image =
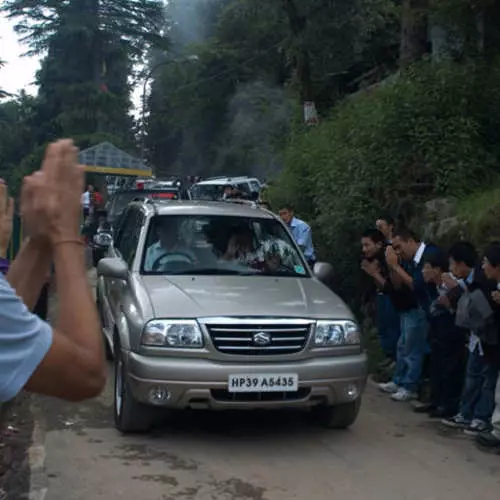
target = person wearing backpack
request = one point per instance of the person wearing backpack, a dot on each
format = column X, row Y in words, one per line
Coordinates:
column 470, row 295
column 491, row 267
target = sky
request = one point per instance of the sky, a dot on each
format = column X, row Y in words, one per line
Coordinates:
column 19, row 71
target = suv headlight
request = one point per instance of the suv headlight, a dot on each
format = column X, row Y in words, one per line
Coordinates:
column 172, row 333
column 336, row 333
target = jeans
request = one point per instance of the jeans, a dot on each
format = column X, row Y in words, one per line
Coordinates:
column 388, row 326
column 478, row 397
column 412, row 346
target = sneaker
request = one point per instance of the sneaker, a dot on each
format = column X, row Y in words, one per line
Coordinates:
column 389, row 388
column 456, row 422
column 488, row 440
column 478, row 427
column 403, row 396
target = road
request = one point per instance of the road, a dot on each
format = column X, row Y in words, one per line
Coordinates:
column 389, row 454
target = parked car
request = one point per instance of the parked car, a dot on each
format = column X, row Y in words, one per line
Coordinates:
column 211, row 305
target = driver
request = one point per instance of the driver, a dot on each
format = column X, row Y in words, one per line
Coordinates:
column 170, row 246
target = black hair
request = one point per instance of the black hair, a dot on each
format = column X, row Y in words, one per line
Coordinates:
column 375, row 235
column 492, row 253
column 405, row 233
column 389, row 219
column 287, row 206
column 464, row 252
column 437, row 259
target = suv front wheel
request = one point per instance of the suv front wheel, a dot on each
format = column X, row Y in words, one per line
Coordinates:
column 339, row 416
column 130, row 415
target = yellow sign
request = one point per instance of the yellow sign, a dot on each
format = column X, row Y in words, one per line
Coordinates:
column 130, row 172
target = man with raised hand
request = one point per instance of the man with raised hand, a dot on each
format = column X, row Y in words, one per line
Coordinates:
column 66, row 361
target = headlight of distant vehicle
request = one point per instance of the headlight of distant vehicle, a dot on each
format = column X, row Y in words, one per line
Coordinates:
column 336, row 333
column 172, row 333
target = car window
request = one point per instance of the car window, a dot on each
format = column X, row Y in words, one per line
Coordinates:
column 254, row 186
column 128, row 235
column 220, row 245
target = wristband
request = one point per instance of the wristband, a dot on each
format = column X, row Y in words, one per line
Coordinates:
column 4, row 265
column 75, row 241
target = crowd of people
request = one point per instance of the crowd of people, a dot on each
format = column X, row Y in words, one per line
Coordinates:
column 438, row 317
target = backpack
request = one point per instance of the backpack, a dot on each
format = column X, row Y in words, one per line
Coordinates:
column 475, row 313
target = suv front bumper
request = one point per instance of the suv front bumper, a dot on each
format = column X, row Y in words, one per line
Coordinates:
column 202, row 384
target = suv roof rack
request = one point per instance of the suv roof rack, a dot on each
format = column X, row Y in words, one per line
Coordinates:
column 242, row 201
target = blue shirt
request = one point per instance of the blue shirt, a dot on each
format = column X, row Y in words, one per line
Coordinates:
column 302, row 235
column 24, row 341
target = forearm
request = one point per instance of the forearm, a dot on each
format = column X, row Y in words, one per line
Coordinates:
column 28, row 272
column 403, row 277
column 77, row 316
column 379, row 280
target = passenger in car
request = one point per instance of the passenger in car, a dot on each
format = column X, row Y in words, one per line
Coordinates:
column 241, row 247
column 170, row 246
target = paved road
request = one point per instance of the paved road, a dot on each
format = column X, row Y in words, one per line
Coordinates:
column 389, row 454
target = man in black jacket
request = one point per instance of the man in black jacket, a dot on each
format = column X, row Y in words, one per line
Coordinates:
column 373, row 247
column 491, row 267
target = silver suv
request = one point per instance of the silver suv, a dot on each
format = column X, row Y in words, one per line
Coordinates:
column 211, row 305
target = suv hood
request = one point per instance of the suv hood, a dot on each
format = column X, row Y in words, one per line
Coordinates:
column 199, row 296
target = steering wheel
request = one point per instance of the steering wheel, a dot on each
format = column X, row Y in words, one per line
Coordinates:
column 157, row 262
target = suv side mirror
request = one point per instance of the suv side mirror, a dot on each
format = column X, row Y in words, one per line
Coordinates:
column 323, row 271
column 114, row 268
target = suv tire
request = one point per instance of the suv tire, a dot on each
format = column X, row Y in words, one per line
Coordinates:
column 130, row 415
column 339, row 416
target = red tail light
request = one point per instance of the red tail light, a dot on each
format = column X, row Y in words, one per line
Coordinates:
column 168, row 196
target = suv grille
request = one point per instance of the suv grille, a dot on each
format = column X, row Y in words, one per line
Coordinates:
column 259, row 339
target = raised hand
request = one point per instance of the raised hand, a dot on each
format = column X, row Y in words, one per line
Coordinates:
column 50, row 198
column 6, row 216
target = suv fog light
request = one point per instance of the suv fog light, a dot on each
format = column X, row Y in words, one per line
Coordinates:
column 352, row 391
column 158, row 395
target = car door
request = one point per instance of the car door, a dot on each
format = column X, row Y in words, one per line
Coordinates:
column 126, row 249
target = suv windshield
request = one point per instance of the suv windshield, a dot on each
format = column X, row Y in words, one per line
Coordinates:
column 220, row 245
column 214, row 192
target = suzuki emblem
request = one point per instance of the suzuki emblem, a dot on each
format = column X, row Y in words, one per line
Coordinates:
column 262, row 339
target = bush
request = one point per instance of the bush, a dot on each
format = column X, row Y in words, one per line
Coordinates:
column 428, row 133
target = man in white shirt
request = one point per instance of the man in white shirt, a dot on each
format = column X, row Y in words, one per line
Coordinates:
column 66, row 360
column 86, row 200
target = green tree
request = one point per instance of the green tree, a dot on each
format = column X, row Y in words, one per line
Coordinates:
column 91, row 46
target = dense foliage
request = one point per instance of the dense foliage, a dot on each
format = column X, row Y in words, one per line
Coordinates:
column 431, row 132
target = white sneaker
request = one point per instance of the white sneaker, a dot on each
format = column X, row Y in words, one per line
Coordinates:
column 403, row 396
column 388, row 387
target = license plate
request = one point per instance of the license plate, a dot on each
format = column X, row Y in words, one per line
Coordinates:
column 283, row 382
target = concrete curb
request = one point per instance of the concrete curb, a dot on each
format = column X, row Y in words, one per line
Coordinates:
column 36, row 457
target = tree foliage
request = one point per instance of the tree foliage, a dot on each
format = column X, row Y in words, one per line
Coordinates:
column 248, row 54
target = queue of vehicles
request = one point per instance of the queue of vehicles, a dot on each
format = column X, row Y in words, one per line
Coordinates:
column 193, row 327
